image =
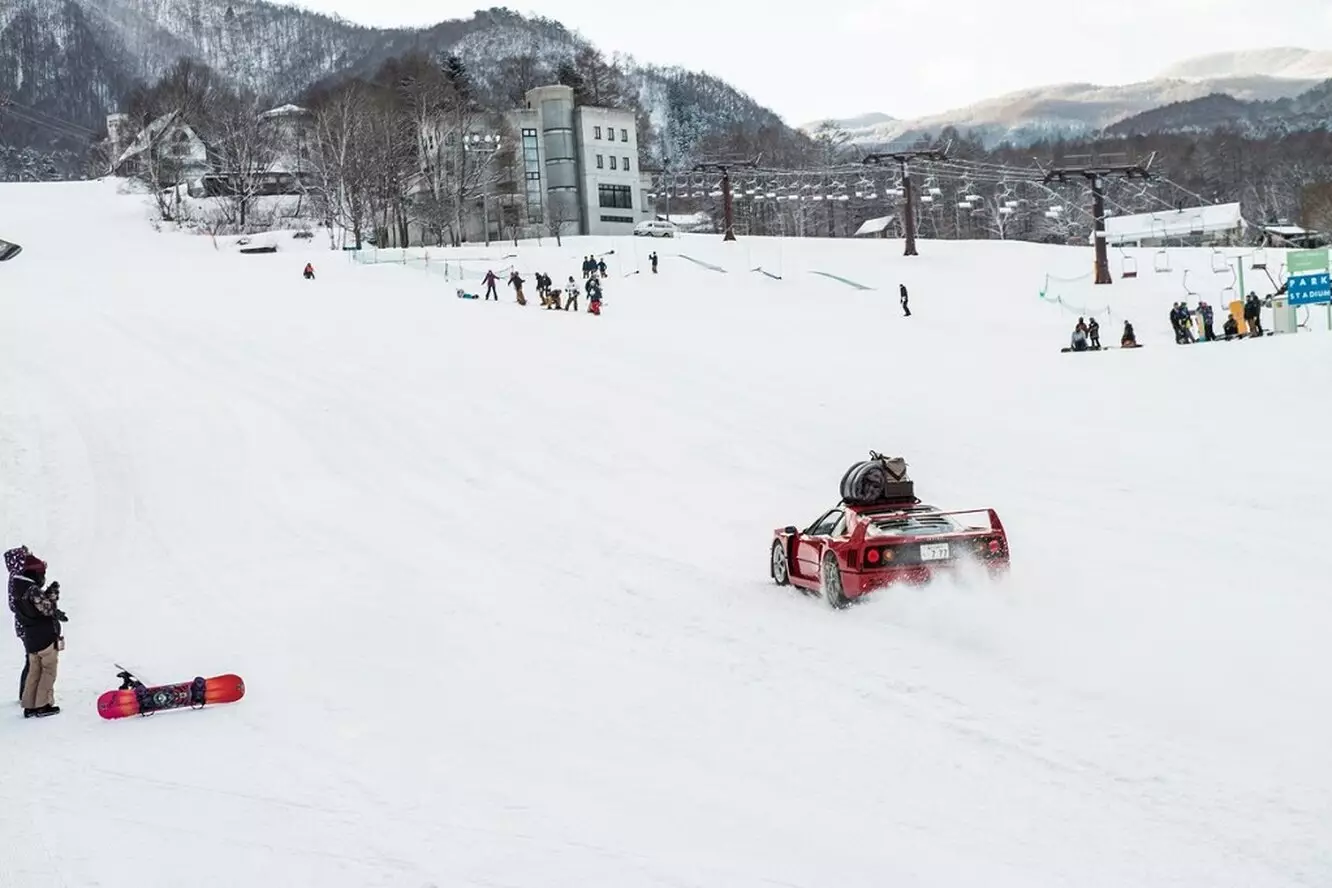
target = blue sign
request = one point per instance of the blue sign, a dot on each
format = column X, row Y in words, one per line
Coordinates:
column 1309, row 289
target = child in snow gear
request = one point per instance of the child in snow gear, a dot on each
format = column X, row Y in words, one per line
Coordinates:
column 516, row 281
column 36, row 606
column 1128, row 340
column 309, row 271
column 902, row 297
column 594, row 296
column 490, row 280
column 601, row 267
column 1230, row 329
column 652, row 257
column 463, row 294
column 1093, row 334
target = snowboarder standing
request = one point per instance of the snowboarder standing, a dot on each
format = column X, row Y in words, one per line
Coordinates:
column 1093, row 334
column 652, row 257
column 490, row 280
column 601, row 267
column 516, row 281
column 1129, row 339
column 906, row 309
column 37, row 608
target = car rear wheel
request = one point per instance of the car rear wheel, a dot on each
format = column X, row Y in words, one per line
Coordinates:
column 832, row 582
column 781, row 570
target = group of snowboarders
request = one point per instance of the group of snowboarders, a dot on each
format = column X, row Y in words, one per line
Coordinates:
column 1182, row 320
column 37, row 623
column 552, row 297
column 1087, row 336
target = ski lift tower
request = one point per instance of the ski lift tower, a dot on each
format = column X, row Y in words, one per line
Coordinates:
column 724, row 167
column 902, row 158
column 1096, row 171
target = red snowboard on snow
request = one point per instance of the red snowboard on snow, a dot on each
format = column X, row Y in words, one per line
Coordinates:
column 135, row 698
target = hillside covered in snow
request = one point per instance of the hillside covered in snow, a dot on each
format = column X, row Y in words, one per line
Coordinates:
column 76, row 61
column 497, row 578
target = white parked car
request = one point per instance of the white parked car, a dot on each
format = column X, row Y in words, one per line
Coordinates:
column 655, row 229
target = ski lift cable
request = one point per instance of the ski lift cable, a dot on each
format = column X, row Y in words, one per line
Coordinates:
column 37, row 113
column 58, row 129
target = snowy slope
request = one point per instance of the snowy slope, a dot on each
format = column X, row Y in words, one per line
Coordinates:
column 496, row 577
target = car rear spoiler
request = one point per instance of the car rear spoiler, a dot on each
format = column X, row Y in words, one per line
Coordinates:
column 8, row 250
column 996, row 526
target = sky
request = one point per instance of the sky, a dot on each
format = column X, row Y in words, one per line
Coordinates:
column 906, row 58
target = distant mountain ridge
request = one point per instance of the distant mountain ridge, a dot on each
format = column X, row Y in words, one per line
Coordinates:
column 1074, row 110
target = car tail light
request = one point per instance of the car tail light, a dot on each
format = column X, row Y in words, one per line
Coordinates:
column 995, row 547
column 878, row 557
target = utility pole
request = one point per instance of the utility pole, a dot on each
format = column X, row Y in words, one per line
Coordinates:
column 902, row 159
column 1096, row 174
column 727, row 209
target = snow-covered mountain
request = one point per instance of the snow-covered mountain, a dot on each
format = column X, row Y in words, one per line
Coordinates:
column 75, row 60
column 1076, row 109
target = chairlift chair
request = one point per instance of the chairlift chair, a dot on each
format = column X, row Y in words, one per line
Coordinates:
column 1187, row 289
column 1161, row 261
column 1220, row 264
column 1128, row 266
column 1260, row 259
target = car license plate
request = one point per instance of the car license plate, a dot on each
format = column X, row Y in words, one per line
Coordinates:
column 933, row 551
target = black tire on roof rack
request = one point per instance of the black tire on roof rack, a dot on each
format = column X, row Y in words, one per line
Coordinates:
column 876, row 480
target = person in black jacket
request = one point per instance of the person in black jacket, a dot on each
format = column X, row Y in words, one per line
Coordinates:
column 36, row 606
column 14, row 559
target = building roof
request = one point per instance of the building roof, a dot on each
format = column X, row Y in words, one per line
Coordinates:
column 1185, row 222
column 874, row 226
column 287, row 110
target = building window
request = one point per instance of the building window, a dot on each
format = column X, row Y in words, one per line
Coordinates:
column 624, row 135
column 626, row 165
column 613, row 162
column 627, row 220
column 615, row 197
column 596, row 130
column 534, row 207
column 531, row 156
column 600, row 162
column 610, row 133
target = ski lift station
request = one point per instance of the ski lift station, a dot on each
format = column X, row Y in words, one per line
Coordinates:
column 1218, row 225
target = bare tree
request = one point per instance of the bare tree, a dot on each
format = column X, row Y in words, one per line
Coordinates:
column 341, row 159
column 243, row 148
column 558, row 215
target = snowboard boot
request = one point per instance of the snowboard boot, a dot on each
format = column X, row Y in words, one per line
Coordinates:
column 29, row 713
column 44, row 711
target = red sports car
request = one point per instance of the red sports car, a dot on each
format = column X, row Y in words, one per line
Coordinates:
column 854, row 549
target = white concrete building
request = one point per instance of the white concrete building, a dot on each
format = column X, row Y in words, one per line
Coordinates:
column 580, row 164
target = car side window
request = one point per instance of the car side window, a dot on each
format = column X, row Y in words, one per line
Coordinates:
column 827, row 524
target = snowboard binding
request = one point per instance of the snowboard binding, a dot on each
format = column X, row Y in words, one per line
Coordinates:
column 192, row 694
